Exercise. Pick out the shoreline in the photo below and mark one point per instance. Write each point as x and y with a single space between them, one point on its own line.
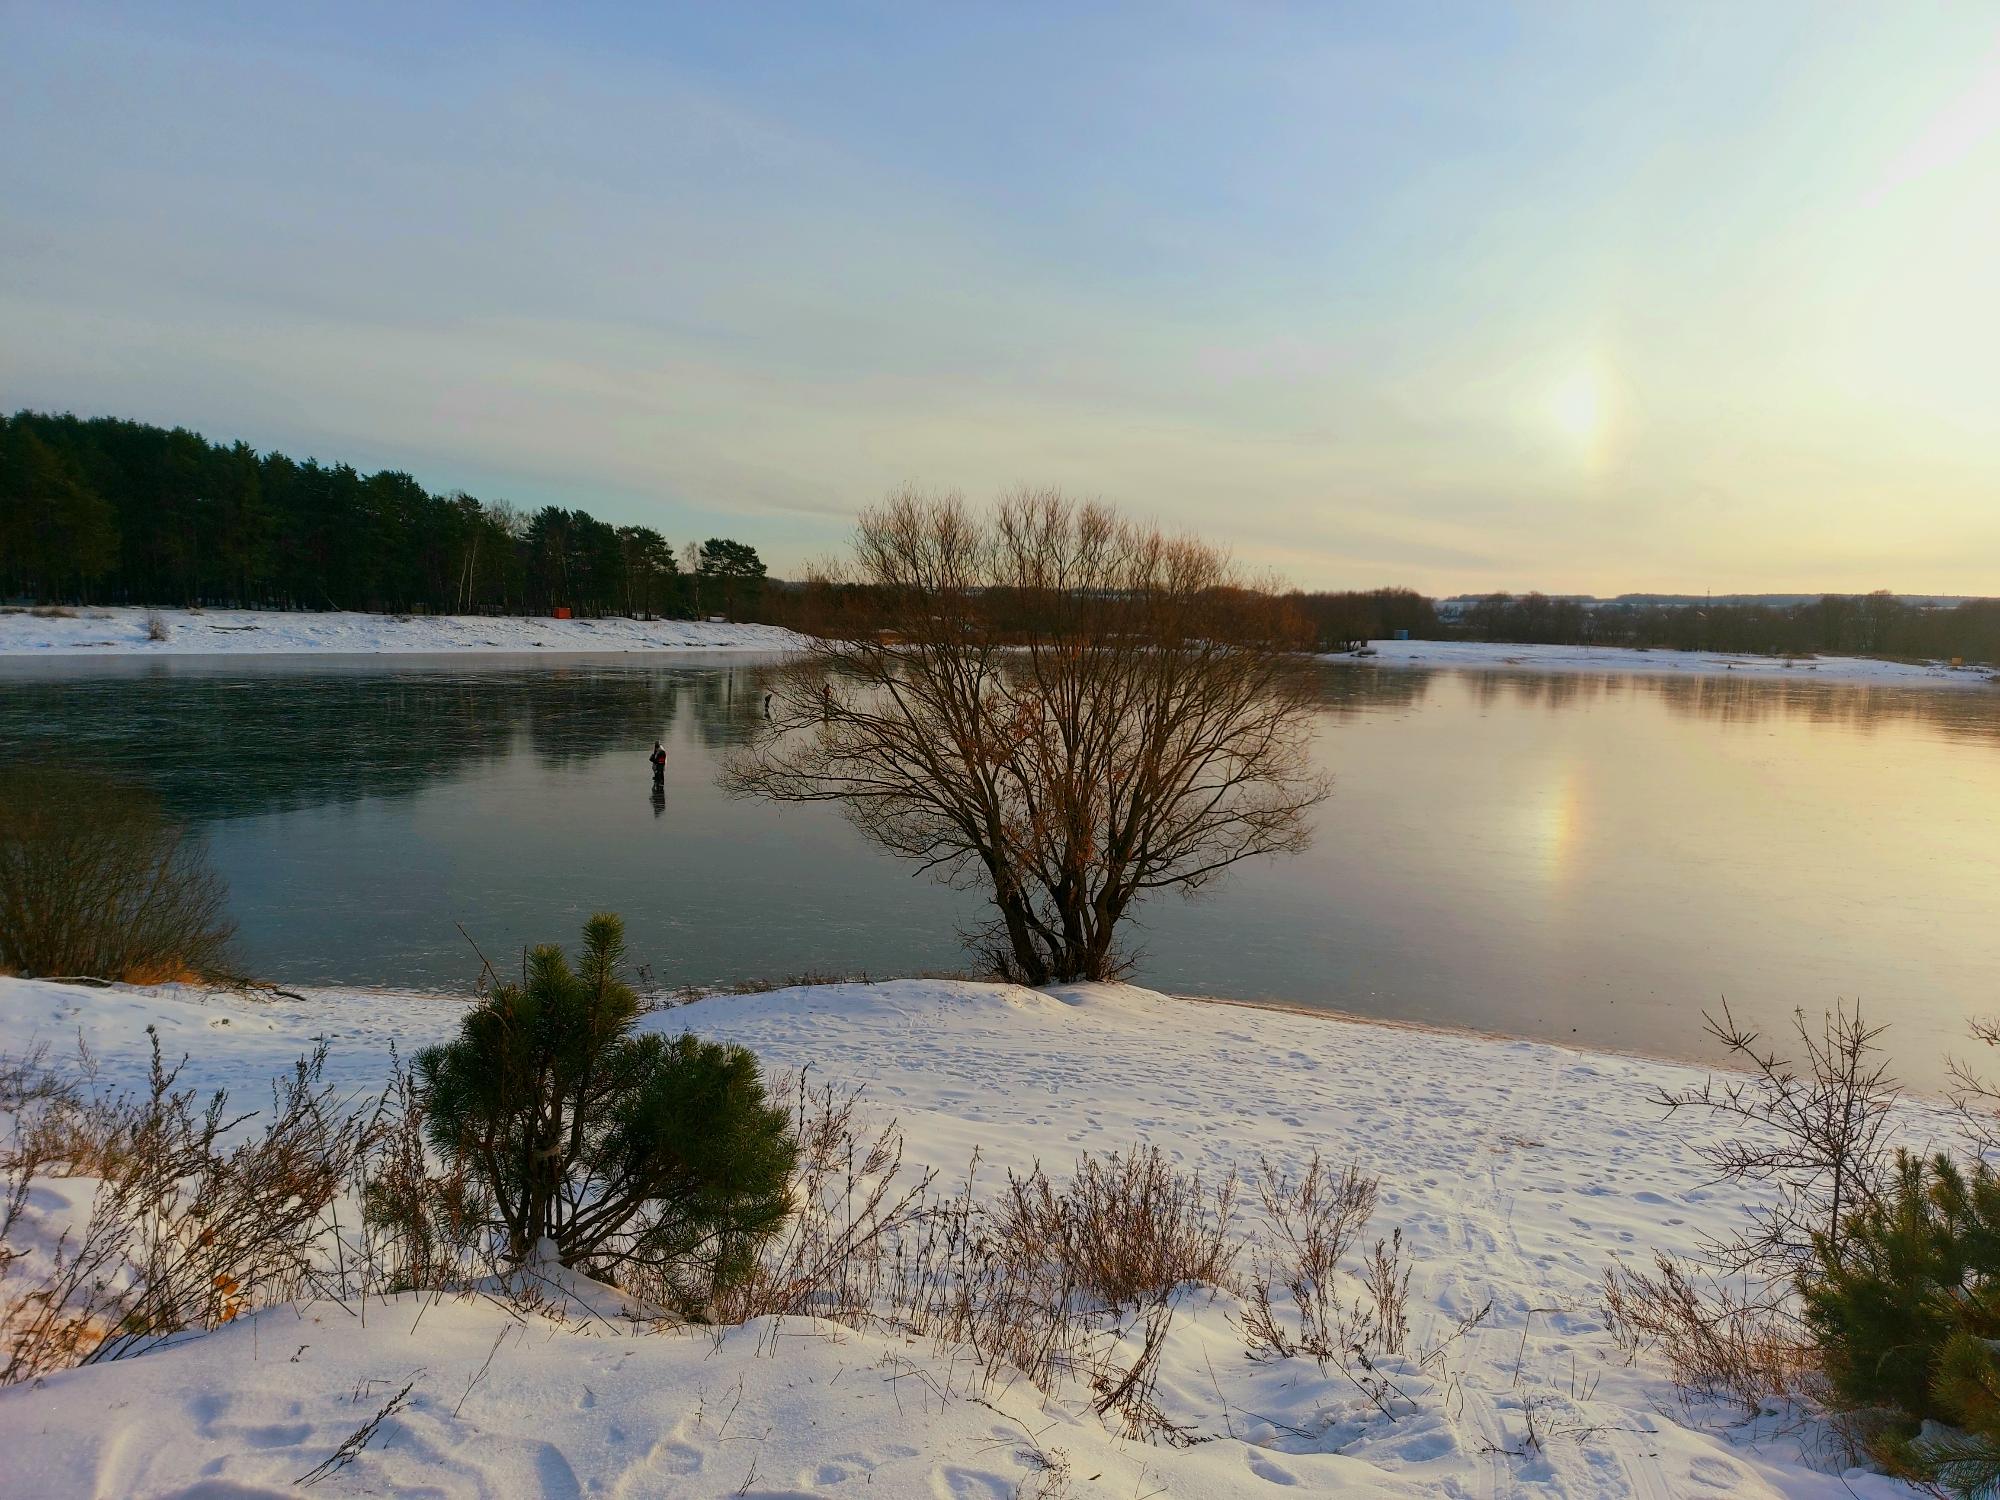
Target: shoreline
263 993
315 994
122 632
1636 661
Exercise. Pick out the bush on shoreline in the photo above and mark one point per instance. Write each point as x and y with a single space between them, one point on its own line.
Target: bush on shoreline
97 881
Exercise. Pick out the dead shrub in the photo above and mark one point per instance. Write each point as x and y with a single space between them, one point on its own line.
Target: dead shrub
1128 1229
1340 1320
961 1282
1033 1282
187 1232
29 1090
1720 1341
1387 1278
983 1279
156 626
1039 1282
421 1229
1814 1128
852 1208
1127 1392
97 881
1311 1220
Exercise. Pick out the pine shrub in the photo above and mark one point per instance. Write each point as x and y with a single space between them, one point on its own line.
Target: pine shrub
628 1153
1905 1311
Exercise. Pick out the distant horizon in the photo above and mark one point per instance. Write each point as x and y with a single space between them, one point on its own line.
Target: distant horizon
1441 595
1452 294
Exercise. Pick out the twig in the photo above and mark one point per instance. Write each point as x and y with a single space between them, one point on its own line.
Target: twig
482 1369
358 1439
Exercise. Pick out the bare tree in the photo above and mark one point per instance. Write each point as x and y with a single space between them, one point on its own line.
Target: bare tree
1819 1134
1048 700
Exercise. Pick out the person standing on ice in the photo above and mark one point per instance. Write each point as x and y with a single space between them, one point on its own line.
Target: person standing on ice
659 759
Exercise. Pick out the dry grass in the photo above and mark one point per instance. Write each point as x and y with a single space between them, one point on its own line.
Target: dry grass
1314 1218
1072 1284
186 1232
1128 1229
853 1208
421 1228
1719 1340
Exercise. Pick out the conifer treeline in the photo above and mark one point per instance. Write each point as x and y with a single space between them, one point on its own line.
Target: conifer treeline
111 511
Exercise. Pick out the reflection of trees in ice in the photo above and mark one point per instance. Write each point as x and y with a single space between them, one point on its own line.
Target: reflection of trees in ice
252 738
1749 699
236 742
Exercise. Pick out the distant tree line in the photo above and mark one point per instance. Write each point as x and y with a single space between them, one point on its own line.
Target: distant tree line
105 510
1342 621
1877 624
112 511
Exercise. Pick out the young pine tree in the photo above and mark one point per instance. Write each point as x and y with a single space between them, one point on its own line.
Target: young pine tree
622 1151
1905 1312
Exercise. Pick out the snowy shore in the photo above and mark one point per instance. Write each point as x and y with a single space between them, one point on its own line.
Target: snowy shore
1499 656
234 632
1516 1170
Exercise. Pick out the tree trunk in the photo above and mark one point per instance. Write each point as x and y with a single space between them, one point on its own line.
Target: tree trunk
1028 956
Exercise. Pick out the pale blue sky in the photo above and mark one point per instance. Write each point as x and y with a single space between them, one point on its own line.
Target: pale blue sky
1588 297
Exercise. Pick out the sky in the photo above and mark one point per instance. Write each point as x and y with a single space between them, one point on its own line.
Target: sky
1584 297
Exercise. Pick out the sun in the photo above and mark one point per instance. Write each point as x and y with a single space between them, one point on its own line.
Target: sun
1576 406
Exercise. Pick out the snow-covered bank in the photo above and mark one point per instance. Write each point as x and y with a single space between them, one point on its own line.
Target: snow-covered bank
119 631
1516 1170
209 632
1496 655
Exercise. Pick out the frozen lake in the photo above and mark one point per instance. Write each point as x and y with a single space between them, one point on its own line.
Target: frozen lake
1584 858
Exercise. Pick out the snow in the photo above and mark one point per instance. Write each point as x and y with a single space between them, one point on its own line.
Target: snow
232 632
1497 655
1517 1171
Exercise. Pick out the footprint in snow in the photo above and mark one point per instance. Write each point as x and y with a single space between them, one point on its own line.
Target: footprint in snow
953 1482
1269 1472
